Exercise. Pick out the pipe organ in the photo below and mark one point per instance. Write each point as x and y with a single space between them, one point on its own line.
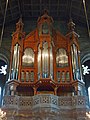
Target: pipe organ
45 61
45 80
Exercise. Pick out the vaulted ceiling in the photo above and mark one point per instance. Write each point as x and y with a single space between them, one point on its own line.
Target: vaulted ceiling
58 9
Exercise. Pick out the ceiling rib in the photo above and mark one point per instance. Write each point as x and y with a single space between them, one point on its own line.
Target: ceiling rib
59 9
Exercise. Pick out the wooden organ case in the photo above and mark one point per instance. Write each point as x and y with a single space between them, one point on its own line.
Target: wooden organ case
45 61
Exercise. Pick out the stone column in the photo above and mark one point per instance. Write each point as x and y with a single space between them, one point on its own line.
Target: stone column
12 86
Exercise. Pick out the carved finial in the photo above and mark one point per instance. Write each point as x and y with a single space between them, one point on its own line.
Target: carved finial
45 17
71 25
19 25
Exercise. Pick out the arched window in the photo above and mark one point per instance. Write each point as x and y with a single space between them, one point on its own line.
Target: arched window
61 58
28 58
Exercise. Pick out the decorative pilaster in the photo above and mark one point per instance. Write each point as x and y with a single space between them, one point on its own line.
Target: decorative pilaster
12 85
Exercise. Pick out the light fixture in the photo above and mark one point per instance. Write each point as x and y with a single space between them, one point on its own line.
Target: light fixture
2 115
88 114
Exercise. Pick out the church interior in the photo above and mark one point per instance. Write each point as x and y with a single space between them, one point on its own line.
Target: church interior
45 59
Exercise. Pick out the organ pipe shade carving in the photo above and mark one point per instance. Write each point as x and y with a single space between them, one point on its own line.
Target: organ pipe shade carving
15 62
61 58
28 58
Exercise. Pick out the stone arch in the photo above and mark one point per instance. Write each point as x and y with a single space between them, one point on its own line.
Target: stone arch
85 58
5 55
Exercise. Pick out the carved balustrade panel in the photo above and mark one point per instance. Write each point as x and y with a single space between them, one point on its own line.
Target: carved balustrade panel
46 100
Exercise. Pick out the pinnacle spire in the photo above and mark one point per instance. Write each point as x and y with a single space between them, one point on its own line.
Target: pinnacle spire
71 25
45 11
19 25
